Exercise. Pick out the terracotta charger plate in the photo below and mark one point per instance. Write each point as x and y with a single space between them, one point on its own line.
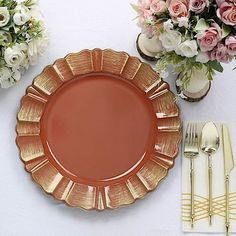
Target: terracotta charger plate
98 129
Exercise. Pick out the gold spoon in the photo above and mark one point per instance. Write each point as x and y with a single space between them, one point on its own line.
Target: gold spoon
209 145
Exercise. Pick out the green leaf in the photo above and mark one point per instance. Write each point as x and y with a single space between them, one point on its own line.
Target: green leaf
215 65
226 30
201 25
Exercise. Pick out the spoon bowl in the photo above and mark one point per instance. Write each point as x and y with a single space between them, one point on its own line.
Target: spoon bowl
210 139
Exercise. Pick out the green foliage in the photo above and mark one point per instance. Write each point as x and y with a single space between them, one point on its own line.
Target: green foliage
10 4
226 30
29 3
215 65
35 29
185 66
201 25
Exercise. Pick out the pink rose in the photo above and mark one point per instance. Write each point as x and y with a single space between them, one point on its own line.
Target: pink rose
227 13
198 6
230 43
209 39
144 15
158 6
220 53
178 8
219 2
144 4
144 11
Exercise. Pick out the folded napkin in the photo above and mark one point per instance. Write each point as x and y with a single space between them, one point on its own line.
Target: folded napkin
201 224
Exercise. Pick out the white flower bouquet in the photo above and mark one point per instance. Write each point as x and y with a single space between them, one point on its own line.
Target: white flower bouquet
23 38
194 34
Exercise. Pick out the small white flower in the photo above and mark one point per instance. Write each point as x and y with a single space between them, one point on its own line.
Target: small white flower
170 40
16 75
22 14
183 22
187 49
37 47
9 77
5 77
5 37
15 56
4 16
167 25
202 57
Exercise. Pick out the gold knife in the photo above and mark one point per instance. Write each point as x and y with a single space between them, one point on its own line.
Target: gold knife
229 165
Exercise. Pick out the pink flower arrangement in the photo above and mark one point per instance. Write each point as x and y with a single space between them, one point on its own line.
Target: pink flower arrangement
192 32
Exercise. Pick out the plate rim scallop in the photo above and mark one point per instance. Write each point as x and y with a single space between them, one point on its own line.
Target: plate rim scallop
43 173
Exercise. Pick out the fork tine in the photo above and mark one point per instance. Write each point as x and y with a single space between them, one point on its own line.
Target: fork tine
193 136
196 134
187 135
191 133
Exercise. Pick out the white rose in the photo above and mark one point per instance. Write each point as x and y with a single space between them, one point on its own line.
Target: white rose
170 39
5 77
37 47
187 49
4 16
202 57
15 56
183 22
22 14
167 25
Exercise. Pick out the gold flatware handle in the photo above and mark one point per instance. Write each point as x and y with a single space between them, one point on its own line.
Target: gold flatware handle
227 223
192 211
210 189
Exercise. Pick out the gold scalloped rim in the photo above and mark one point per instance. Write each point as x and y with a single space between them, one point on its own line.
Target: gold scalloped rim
93 197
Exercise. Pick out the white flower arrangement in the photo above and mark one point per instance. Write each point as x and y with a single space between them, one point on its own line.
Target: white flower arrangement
23 38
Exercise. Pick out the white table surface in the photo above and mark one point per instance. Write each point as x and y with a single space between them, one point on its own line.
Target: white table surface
24 208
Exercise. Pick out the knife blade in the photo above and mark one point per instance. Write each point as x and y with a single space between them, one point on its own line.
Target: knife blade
229 165
228 152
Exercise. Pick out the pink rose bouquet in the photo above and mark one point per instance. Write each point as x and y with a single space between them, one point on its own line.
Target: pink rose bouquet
193 33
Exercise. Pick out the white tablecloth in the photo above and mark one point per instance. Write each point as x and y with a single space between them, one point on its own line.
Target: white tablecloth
24 208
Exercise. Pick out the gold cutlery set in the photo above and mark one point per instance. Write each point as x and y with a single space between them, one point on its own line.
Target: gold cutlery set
208 142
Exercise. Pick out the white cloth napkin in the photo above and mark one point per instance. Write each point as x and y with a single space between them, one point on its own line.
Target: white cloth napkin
201 190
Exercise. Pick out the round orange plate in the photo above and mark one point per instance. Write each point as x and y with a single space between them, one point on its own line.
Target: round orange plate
98 129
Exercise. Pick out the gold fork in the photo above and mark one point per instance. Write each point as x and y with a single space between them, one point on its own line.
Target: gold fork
191 151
